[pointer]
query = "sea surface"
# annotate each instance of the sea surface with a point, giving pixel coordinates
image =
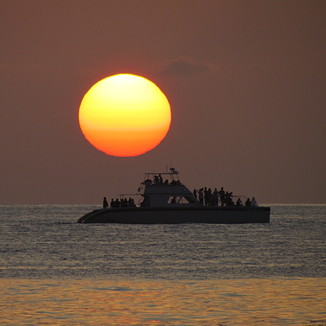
(54, 271)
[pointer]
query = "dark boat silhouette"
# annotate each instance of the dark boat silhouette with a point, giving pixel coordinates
(171, 202)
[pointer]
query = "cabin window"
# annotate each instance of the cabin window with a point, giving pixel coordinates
(177, 200)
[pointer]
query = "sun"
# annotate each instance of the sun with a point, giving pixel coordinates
(124, 115)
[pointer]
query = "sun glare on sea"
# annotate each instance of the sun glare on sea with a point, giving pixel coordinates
(124, 115)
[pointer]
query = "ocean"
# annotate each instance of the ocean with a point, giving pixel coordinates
(54, 271)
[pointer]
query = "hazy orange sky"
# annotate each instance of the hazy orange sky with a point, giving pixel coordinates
(245, 80)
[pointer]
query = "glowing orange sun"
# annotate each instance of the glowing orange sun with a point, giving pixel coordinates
(124, 115)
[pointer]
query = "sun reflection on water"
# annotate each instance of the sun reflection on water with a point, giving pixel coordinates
(215, 302)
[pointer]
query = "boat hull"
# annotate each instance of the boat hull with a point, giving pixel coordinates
(146, 215)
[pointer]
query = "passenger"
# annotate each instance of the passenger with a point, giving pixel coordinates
(195, 192)
(222, 196)
(206, 196)
(209, 196)
(215, 198)
(160, 179)
(156, 180)
(201, 195)
(229, 200)
(239, 202)
(254, 202)
(117, 203)
(112, 202)
(131, 202)
(248, 202)
(124, 202)
(166, 182)
(105, 203)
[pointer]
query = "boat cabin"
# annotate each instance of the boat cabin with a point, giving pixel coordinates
(165, 190)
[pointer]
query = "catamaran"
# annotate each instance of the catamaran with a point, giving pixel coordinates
(164, 199)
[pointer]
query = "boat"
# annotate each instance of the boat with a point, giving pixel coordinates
(169, 201)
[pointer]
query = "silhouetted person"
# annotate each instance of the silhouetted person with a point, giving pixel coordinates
(160, 179)
(131, 202)
(195, 193)
(248, 202)
(206, 196)
(209, 197)
(222, 196)
(254, 202)
(124, 202)
(156, 180)
(239, 202)
(117, 203)
(215, 197)
(229, 200)
(201, 195)
(105, 203)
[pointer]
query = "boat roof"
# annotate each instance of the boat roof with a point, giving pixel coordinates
(172, 172)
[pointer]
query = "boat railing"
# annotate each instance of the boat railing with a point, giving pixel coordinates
(157, 177)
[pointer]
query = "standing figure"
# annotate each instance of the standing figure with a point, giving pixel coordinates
(201, 195)
(248, 202)
(195, 194)
(215, 197)
(206, 196)
(254, 202)
(222, 196)
(105, 203)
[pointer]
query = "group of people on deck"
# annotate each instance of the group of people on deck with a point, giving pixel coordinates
(220, 197)
(158, 180)
(124, 202)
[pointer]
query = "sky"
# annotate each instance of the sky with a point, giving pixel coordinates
(246, 82)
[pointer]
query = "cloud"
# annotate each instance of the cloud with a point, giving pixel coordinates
(186, 67)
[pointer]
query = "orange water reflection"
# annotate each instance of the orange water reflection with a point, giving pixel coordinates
(299, 301)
